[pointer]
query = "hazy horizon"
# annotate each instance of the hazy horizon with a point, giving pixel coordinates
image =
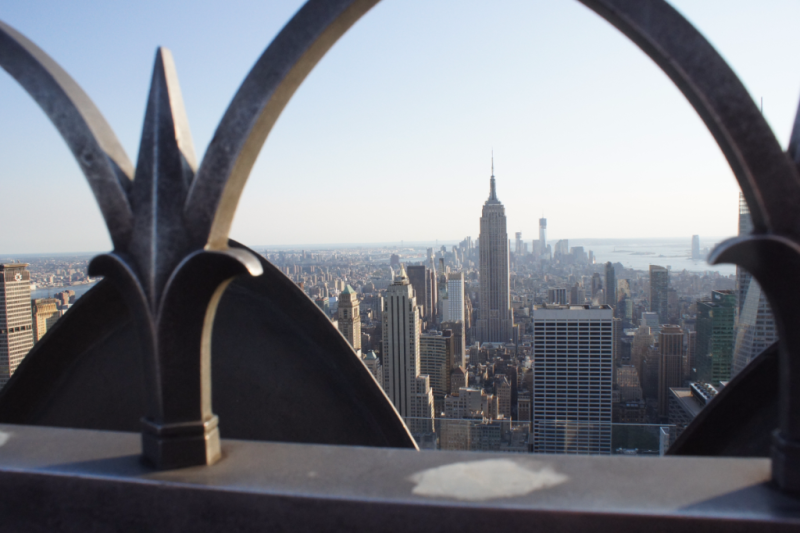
(391, 135)
(410, 244)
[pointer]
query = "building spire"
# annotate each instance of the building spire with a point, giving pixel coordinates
(492, 189)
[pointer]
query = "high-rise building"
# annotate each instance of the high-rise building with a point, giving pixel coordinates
(576, 295)
(542, 236)
(459, 378)
(713, 353)
(453, 309)
(495, 317)
(561, 249)
(402, 381)
(642, 341)
(755, 325)
(524, 407)
(436, 360)
(670, 374)
(503, 395)
(518, 245)
(16, 318)
(459, 342)
(374, 365)
(422, 412)
(557, 296)
(349, 316)
(572, 379)
(418, 277)
(696, 247)
(611, 285)
(652, 320)
(45, 314)
(624, 308)
(432, 294)
(659, 292)
(631, 408)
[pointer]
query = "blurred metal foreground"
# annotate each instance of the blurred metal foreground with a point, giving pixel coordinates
(79, 480)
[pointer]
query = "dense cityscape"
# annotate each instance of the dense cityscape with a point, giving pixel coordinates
(496, 344)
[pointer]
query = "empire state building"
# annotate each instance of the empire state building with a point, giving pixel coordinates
(495, 318)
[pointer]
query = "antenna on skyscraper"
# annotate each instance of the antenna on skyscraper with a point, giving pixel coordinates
(492, 162)
(762, 105)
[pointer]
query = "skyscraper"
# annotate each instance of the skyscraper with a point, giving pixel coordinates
(349, 317)
(402, 382)
(755, 325)
(572, 367)
(459, 342)
(670, 374)
(16, 318)
(624, 309)
(611, 286)
(713, 353)
(453, 308)
(518, 246)
(659, 292)
(696, 247)
(495, 318)
(374, 365)
(418, 277)
(45, 315)
(436, 360)
(557, 295)
(542, 236)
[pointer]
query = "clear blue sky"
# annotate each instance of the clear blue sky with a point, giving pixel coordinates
(390, 136)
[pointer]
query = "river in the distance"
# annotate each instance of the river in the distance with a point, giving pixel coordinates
(639, 254)
(48, 292)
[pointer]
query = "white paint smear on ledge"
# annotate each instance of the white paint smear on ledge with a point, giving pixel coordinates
(485, 480)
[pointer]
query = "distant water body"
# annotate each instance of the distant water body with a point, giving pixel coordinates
(48, 292)
(639, 254)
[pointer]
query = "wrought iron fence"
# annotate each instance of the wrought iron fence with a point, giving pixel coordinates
(166, 279)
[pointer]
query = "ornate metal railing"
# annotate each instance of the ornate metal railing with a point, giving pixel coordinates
(169, 220)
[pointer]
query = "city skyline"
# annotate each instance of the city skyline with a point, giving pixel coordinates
(533, 126)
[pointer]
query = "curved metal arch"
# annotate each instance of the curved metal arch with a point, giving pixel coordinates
(99, 154)
(766, 174)
(211, 203)
(769, 181)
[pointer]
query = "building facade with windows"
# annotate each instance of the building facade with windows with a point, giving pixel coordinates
(495, 317)
(349, 316)
(453, 308)
(659, 292)
(713, 350)
(755, 324)
(573, 365)
(45, 314)
(16, 318)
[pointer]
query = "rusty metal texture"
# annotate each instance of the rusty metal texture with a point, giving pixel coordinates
(158, 242)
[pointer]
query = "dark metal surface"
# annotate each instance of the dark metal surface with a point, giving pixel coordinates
(161, 248)
(768, 178)
(256, 107)
(280, 371)
(65, 480)
(91, 140)
(739, 421)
